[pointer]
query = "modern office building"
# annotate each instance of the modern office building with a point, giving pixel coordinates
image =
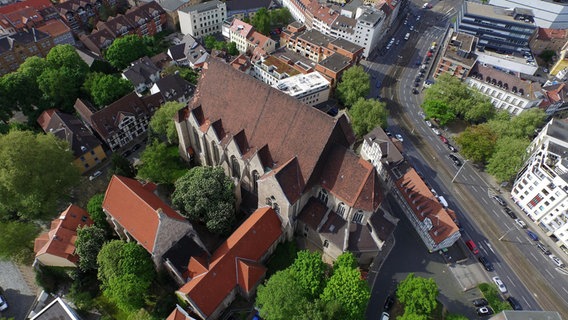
(499, 29)
(547, 13)
(541, 186)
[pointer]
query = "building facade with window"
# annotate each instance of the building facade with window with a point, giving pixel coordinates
(458, 56)
(203, 19)
(14, 49)
(541, 186)
(286, 155)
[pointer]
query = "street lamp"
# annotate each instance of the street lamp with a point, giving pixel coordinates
(457, 173)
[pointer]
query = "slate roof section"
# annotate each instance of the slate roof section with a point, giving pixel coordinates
(24, 38)
(236, 262)
(189, 49)
(173, 87)
(60, 239)
(260, 113)
(135, 206)
(106, 120)
(513, 82)
(425, 206)
(57, 309)
(239, 5)
(140, 71)
(378, 135)
(69, 128)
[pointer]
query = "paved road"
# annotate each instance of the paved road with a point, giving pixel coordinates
(516, 257)
(17, 293)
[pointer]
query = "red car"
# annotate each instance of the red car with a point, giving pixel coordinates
(444, 140)
(471, 245)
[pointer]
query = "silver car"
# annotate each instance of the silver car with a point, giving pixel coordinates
(500, 284)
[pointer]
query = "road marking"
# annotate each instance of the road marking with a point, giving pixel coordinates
(550, 274)
(528, 304)
(474, 188)
(519, 239)
(565, 290)
(511, 281)
(490, 247)
(532, 254)
(483, 199)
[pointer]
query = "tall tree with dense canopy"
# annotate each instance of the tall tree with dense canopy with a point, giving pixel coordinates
(35, 172)
(477, 143)
(162, 121)
(105, 88)
(160, 163)
(367, 115)
(124, 50)
(87, 246)
(418, 295)
(439, 110)
(19, 93)
(121, 166)
(309, 270)
(17, 239)
(346, 287)
(354, 85)
(525, 124)
(126, 273)
(279, 298)
(206, 194)
(508, 157)
(95, 210)
(261, 21)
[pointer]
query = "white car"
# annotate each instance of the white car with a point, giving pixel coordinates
(95, 175)
(3, 303)
(399, 137)
(500, 284)
(411, 28)
(436, 131)
(521, 223)
(428, 123)
(407, 36)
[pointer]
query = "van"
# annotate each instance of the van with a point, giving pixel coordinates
(472, 247)
(385, 316)
(95, 175)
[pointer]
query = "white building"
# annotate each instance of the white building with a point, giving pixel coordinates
(297, 8)
(368, 33)
(506, 91)
(547, 13)
(311, 88)
(271, 70)
(541, 187)
(202, 19)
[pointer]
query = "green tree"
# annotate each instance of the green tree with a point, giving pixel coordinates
(210, 42)
(122, 166)
(368, 114)
(33, 67)
(17, 239)
(160, 163)
(126, 273)
(547, 56)
(124, 50)
(280, 299)
(59, 87)
(65, 56)
(281, 16)
(453, 316)
(439, 110)
(232, 48)
(309, 271)
(347, 288)
(205, 194)
(346, 260)
(508, 157)
(477, 143)
(480, 110)
(525, 124)
(19, 93)
(35, 172)
(105, 89)
(261, 21)
(87, 246)
(162, 121)
(141, 314)
(188, 74)
(95, 210)
(412, 316)
(354, 84)
(418, 295)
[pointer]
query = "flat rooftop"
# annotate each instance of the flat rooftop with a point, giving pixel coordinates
(558, 129)
(315, 37)
(302, 83)
(280, 66)
(335, 62)
(346, 45)
(202, 7)
(460, 48)
(494, 12)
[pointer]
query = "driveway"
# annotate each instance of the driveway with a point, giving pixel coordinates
(17, 293)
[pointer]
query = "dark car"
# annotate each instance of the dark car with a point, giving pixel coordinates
(388, 303)
(532, 235)
(333, 111)
(510, 213)
(126, 153)
(414, 91)
(455, 159)
(486, 263)
(543, 248)
(452, 148)
(514, 303)
(480, 302)
(500, 200)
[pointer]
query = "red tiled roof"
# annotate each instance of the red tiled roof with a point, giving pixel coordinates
(268, 117)
(241, 28)
(36, 4)
(136, 207)
(351, 179)
(235, 262)
(425, 205)
(549, 34)
(60, 240)
(179, 314)
(55, 28)
(44, 118)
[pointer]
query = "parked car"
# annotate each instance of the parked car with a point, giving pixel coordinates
(472, 247)
(414, 90)
(484, 311)
(455, 159)
(452, 148)
(436, 131)
(500, 200)
(126, 153)
(520, 223)
(399, 137)
(428, 123)
(532, 235)
(388, 303)
(480, 302)
(136, 147)
(486, 263)
(407, 36)
(444, 140)
(514, 303)
(333, 111)
(500, 285)
(95, 175)
(543, 248)
(3, 303)
(556, 261)
(510, 213)
(385, 316)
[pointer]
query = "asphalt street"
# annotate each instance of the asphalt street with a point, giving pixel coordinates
(529, 275)
(18, 294)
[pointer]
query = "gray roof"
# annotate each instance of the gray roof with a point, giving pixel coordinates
(315, 37)
(171, 5)
(370, 17)
(238, 5)
(346, 45)
(388, 148)
(57, 309)
(24, 37)
(558, 129)
(188, 49)
(527, 315)
(173, 87)
(336, 62)
(140, 71)
(202, 7)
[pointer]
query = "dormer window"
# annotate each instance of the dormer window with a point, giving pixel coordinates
(322, 196)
